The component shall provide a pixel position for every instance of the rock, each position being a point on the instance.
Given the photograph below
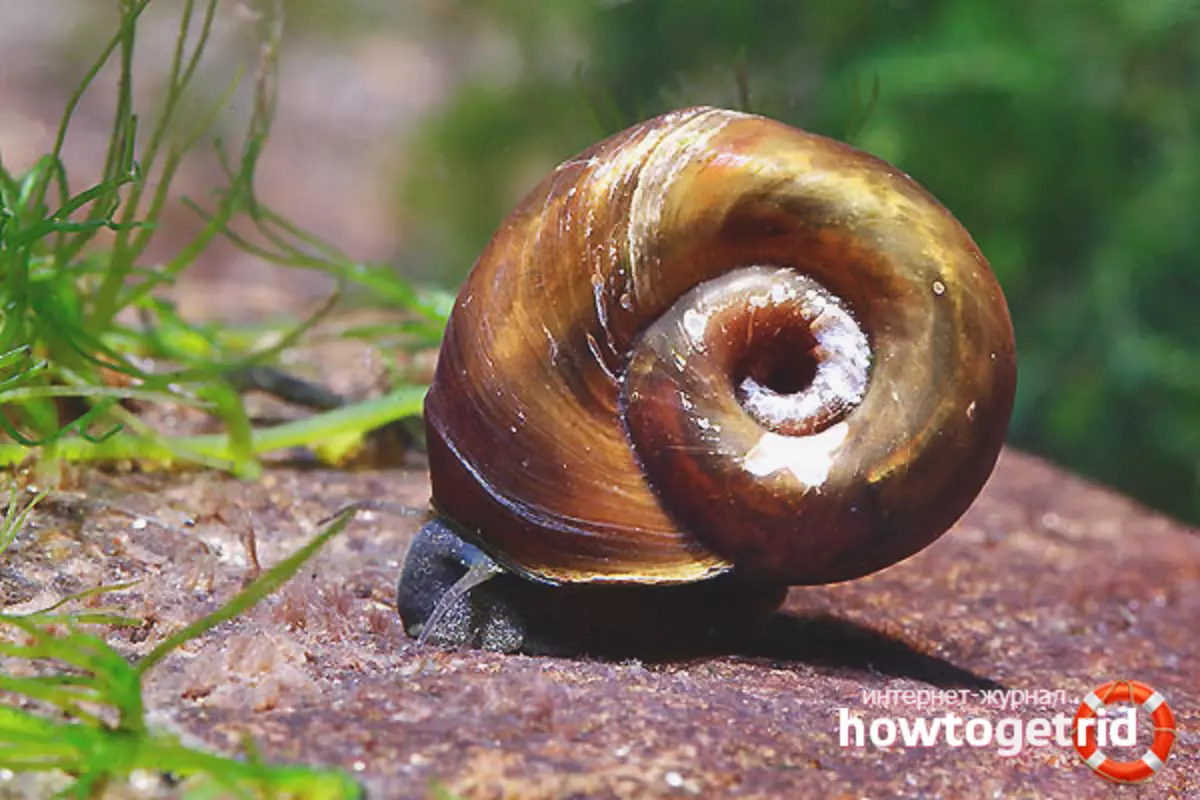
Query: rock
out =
(1047, 588)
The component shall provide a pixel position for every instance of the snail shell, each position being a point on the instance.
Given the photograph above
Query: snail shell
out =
(715, 341)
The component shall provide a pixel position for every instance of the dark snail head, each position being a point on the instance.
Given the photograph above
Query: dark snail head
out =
(714, 344)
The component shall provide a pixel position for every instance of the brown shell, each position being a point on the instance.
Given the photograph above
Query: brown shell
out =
(586, 421)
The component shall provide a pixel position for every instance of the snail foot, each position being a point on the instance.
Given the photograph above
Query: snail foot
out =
(452, 594)
(443, 598)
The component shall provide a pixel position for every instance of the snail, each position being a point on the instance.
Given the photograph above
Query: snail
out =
(709, 358)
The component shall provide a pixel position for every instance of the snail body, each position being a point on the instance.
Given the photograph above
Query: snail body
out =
(713, 346)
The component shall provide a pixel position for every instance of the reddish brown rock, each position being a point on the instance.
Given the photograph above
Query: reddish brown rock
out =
(1046, 584)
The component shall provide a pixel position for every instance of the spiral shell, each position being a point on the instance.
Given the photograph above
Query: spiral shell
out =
(715, 341)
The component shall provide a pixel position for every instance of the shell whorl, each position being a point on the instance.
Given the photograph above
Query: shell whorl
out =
(616, 397)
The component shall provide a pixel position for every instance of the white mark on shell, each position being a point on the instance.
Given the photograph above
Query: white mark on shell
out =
(695, 323)
(808, 458)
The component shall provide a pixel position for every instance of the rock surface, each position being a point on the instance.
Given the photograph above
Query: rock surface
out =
(1047, 584)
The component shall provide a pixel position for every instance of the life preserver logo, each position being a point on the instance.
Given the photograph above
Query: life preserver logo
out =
(1153, 760)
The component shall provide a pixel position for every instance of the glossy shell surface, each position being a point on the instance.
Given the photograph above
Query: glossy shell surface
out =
(591, 417)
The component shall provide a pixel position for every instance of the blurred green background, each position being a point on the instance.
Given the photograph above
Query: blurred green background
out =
(1064, 135)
